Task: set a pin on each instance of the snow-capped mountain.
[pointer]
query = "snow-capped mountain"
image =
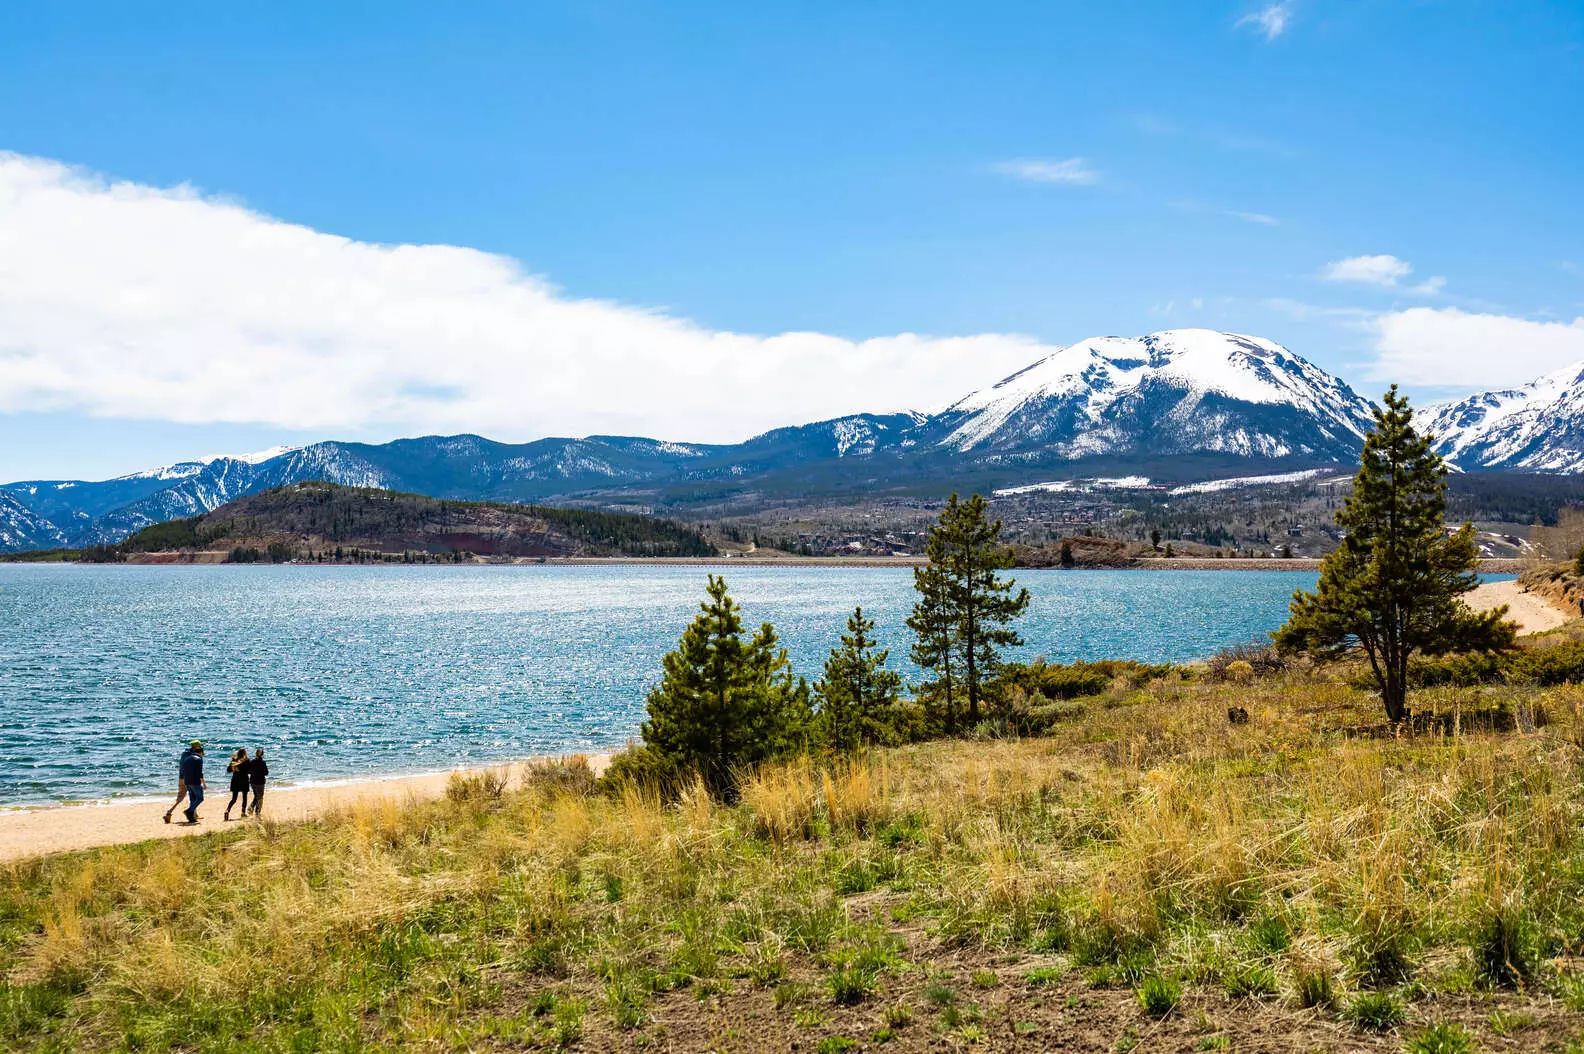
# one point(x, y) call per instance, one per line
point(21, 528)
point(1179, 407)
point(1537, 428)
point(1175, 392)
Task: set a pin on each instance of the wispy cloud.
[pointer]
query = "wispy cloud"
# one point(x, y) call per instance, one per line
point(1383, 270)
point(1254, 217)
point(1072, 171)
point(122, 300)
point(1271, 21)
point(1237, 214)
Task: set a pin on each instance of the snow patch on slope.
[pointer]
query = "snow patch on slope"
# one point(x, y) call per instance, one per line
point(1236, 482)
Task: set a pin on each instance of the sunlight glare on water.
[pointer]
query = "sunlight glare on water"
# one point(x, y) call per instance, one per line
point(106, 671)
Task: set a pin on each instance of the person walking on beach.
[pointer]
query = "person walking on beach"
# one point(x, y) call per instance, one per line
point(257, 773)
point(181, 792)
point(192, 775)
point(237, 767)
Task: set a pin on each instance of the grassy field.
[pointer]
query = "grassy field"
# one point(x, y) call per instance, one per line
point(1151, 877)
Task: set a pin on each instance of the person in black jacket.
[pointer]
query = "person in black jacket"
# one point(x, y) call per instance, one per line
point(192, 776)
point(237, 767)
point(257, 773)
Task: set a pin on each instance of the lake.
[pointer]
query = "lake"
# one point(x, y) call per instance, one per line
point(344, 672)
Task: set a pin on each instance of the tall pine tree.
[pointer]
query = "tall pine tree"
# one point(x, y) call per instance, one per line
point(965, 609)
point(725, 702)
point(934, 626)
point(857, 694)
point(1394, 585)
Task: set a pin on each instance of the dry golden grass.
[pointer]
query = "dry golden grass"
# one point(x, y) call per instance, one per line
point(1288, 857)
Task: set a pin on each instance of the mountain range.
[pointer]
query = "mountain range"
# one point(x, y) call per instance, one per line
point(1181, 406)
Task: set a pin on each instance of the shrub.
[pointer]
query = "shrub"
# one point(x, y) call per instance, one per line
point(640, 768)
point(485, 785)
point(1158, 995)
point(1443, 1038)
point(1261, 658)
point(1376, 1011)
point(836, 1045)
point(570, 775)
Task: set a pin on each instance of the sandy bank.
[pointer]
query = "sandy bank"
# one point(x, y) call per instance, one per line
point(1533, 613)
point(61, 829)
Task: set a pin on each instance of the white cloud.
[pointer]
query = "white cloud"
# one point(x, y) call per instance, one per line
point(1430, 286)
point(1270, 21)
point(126, 301)
point(1383, 270)
point(1073, 171)
point(1446, 347)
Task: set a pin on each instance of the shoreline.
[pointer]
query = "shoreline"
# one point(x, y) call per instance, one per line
point(47, 829)
point(1495, 566)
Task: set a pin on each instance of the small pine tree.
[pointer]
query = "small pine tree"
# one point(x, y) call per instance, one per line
point(1155, 537)
point(725, 702)
point(1394, 585)
point(857, 693)
point(1578, 562)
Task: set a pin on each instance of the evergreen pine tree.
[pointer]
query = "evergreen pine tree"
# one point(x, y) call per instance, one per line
point(1394, 585)
point(857, 692)
point(965, 608)
point(725, 702)
point(934, 626)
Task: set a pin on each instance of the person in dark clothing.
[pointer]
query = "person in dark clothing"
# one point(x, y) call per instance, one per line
point(192, 775)
point(257, 773)
point(237, 767)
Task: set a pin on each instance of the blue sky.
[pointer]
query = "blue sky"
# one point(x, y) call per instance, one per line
point(1389, 188)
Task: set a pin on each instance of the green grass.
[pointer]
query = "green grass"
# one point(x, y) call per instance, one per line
point(1158, 996)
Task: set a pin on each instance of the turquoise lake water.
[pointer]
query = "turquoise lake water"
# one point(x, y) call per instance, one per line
point(106, 671)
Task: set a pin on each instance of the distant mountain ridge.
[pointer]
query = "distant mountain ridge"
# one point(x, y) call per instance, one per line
point(1179, 406)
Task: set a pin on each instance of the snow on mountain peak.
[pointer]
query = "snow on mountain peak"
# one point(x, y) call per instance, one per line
point(188, 469)
point(1538, 427)
point(1096, 380)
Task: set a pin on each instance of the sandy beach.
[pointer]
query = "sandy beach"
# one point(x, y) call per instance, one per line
point(62, 829)
point(1533, 613)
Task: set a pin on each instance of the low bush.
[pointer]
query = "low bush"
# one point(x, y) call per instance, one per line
point(1255, 658)
point(1544, 667)
point(643, 769)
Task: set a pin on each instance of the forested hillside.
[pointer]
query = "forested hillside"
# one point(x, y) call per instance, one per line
point(319, 520)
